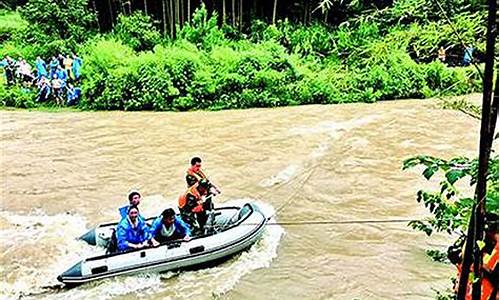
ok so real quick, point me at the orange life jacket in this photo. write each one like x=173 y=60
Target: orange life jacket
x=487 y=287
x=198 y=175
x=193 y=190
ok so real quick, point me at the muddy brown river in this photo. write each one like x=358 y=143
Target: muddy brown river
x=64 y=172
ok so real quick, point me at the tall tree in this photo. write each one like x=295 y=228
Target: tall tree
x=181 y=9
x=224 y=11
x=274 y=10
x=233 y=12
x=177 y=13
x=145 y=7
x=164 y=16
x=240 y=18
x=111 y=12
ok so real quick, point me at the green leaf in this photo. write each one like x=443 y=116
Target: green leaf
x=429 y=172
x=454 y=175
x=480 y=244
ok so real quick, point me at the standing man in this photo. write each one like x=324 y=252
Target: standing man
x=468 y=55
x=193 y=204
x=195 y=174
x=41 y=68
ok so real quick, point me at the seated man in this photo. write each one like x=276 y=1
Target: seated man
x=132 y=232
x=134 y=199
x=168 y=227
x=73 y=95
x=193 y=205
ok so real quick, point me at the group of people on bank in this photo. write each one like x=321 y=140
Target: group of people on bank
x=133 y=232
x=56 y=81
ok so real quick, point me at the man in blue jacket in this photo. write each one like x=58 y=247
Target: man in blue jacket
x=134 y=199
x=168 y=227
x=132 y=232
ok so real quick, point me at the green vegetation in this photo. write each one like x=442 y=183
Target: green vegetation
x=10 y=22
x=450 y=208
x=365 y=55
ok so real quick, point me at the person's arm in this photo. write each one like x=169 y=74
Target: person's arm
x=121 y=237
x=183 y=227
x=192 y=204
x=155 y=227
x=146 y=235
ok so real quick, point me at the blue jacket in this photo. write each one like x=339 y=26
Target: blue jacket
x=41 y=67
x=181 y=228
x=125 y=233
x=76 y=67
x=124 y=212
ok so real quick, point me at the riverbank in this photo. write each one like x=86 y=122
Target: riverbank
x=212 y=66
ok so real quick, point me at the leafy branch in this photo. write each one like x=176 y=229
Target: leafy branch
x=450 y=209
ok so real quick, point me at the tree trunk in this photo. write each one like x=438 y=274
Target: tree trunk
x=472 y=254
x=111 y=13
x=164 y=16
x=240 y=18
x=172 y=22
x=223 y=11
x=96 y=15
x=233 y=10
x=181 y=9
x=145 y=7
x=177 y=15
x=189 y=11
x=274 y=10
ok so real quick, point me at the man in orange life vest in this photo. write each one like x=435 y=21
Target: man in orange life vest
x=194 y=174
x=193 y=205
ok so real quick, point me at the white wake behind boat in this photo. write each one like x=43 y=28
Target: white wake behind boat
x=235 y=229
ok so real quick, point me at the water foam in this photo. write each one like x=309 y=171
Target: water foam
x=282 y=177
x=213 y=281
x=38 y=247
x=333 y=129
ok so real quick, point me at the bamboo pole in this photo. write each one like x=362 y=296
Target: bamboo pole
x=488 y=124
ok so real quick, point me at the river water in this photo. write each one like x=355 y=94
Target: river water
x=64 y=172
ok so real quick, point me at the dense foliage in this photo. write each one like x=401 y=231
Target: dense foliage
x=388 y=53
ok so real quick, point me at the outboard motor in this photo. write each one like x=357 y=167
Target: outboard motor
x=208 y=205
x=112 y=246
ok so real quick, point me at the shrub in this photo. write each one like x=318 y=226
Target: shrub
x=10 y=23
x=203 y=30
x=137 y=31
x=17 y=96
x=68 y=20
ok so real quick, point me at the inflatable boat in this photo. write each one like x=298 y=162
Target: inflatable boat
x=234 y=229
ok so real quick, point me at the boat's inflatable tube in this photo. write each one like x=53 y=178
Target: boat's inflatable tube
x=235 y=230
